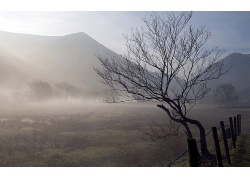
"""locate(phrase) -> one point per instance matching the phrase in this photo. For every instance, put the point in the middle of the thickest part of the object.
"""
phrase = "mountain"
(22, 44)
(14, 72)
(238, 75)
(70, 58)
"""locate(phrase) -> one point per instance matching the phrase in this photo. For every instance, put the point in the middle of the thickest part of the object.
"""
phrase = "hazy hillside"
(53, 59)
(10, 71)
(22, 44)
(15, 73)
(238, 75)
(70, 58)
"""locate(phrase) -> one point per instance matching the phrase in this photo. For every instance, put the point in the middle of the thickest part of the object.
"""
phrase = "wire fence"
(229, 137)
(216, 154)
(207, 159)
(180, 161)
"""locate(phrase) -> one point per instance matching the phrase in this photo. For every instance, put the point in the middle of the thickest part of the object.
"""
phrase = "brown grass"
(94, 134)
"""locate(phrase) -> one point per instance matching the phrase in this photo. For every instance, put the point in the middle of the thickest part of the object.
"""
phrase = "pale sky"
(231, 30)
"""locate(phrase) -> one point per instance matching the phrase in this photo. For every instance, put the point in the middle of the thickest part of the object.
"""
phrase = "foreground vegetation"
(240, 155)
(90, 135)
(77, 137)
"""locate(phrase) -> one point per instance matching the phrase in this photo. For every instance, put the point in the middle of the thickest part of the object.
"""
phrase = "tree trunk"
(188, 132)
(203, 142)
(184, 122)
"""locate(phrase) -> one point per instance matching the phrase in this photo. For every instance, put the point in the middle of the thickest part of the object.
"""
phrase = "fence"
(220, 141)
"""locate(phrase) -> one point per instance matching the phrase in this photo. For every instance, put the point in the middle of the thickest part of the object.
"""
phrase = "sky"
(230, 29)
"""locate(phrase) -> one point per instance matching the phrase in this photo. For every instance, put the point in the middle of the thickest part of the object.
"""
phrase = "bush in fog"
(39, 91)
(66, 91)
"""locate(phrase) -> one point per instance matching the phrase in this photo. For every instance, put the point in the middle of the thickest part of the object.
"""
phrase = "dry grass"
(241, 155)
(94, 134)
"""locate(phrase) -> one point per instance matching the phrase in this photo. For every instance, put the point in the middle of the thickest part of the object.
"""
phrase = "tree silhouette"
(225, 94)
(39, 90)
(167, 62)
(67, 91)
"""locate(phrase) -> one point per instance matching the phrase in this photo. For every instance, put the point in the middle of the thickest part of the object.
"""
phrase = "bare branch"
(166, 62)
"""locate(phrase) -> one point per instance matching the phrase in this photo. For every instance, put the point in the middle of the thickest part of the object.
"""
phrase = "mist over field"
(66, 64)
(54, 111)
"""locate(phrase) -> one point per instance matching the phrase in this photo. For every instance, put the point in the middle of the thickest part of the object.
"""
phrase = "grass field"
(241, 155)
(94, 135)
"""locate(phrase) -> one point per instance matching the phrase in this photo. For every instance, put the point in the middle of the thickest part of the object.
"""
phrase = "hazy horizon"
(229, 28)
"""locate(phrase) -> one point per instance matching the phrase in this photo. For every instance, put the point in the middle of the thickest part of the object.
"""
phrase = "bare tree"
(225, 94)
(167, 62)
(38, 90)
(66, 91)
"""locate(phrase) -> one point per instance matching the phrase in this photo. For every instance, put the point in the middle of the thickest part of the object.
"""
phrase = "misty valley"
(68, 101)
(84, 135)
(93, 134)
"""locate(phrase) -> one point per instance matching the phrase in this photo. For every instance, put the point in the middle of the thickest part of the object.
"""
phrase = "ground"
(102, 135)
(240, 156)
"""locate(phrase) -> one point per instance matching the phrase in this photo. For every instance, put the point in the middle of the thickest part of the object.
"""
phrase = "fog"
(38, 69)
(53, 109)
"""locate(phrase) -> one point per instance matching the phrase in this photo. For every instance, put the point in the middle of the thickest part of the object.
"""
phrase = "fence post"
(192, 153)
(235, 129)
(238, 124)
(217, 147)
(232, 131)
(225, 141)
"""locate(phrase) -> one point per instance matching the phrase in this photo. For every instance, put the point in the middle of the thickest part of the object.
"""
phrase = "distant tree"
(180, 67)
(38, 90)
(225, 94)
(67, 91)
(109, 96)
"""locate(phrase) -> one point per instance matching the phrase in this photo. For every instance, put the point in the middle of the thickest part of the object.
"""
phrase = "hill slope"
(22, 44)
(15, 72)
(238, 75)
(70, 58)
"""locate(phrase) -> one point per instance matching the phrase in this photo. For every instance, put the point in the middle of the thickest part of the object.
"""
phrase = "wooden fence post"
(235, 129)
(217, 147)
(232, 131)
(192, 153)
(225, 141)
(238, 124)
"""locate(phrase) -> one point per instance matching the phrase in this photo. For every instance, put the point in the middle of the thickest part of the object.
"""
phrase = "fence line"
(207, 160)
(219, 146)
(219, 143)
(179, 158)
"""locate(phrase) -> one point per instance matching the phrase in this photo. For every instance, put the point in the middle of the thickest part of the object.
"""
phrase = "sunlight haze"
(108, 27)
